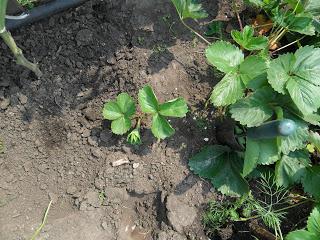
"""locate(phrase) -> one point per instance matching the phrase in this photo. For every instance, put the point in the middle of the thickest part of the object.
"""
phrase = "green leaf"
(222, 167)
(126, 104)
(301, 23)
(134, 137)
(313, 7)
(215, 28)
(278, 73)
(263, 152)
(247, 40)
(161, 129)
(298, 139)
(291, 168)
(254, 110)
(301, 235)
(174, 108)
(312, 118)
(148, 101)
(189, 9)
(313, 223)
(112, 111)
(311, 181)
(252, 67)
(121, 125)
(119, 112)
(232, 86)
(224, 56)
(227, 91)
(299, 75)
(314, 138)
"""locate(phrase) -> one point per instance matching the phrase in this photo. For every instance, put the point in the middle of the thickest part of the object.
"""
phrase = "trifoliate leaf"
(174, 108)
(120, 112)
(311, 181)
(161, 129)
(264, 152)
(291, 168)
(189, 9)
(224, 56)
(298, 139)
(255, 109)
(227, 91)
(222, 167)
(299, 75)
(247, 40)
(148, 101)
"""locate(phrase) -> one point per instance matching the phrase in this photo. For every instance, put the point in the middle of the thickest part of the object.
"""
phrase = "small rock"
(90, 114)
(23, 99)
(106, 136)
(135, 165)
(84, 37)
(71, 190)
(53, 197)
(170, 235)
(4, 104)
(105, 226)
(120, 162)
(92, 199)
(116, 195)
(93, 141)
(180, 215)
(99, 183)
(96, 152)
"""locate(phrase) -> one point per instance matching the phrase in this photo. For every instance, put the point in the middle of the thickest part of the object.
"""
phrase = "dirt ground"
(58, 147)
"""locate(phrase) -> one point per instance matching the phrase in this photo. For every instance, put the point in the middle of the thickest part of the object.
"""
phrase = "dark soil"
(57, 147)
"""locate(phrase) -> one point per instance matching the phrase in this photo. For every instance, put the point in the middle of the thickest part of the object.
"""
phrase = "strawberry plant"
(123, 110)
(275, 99)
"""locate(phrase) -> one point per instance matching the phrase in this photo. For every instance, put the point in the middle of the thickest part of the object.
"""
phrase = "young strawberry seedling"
(123, 110)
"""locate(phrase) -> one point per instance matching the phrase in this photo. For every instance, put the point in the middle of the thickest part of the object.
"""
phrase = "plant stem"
(288, 45)
(8, 39)
(43, 222)
(277, 37)
(195, 32)
(239, 20)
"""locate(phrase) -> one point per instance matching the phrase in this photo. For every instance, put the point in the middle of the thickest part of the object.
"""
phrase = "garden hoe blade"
(14, 7)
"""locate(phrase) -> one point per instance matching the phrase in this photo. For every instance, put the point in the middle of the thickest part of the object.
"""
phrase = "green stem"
(195, 32)
(8, 39)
